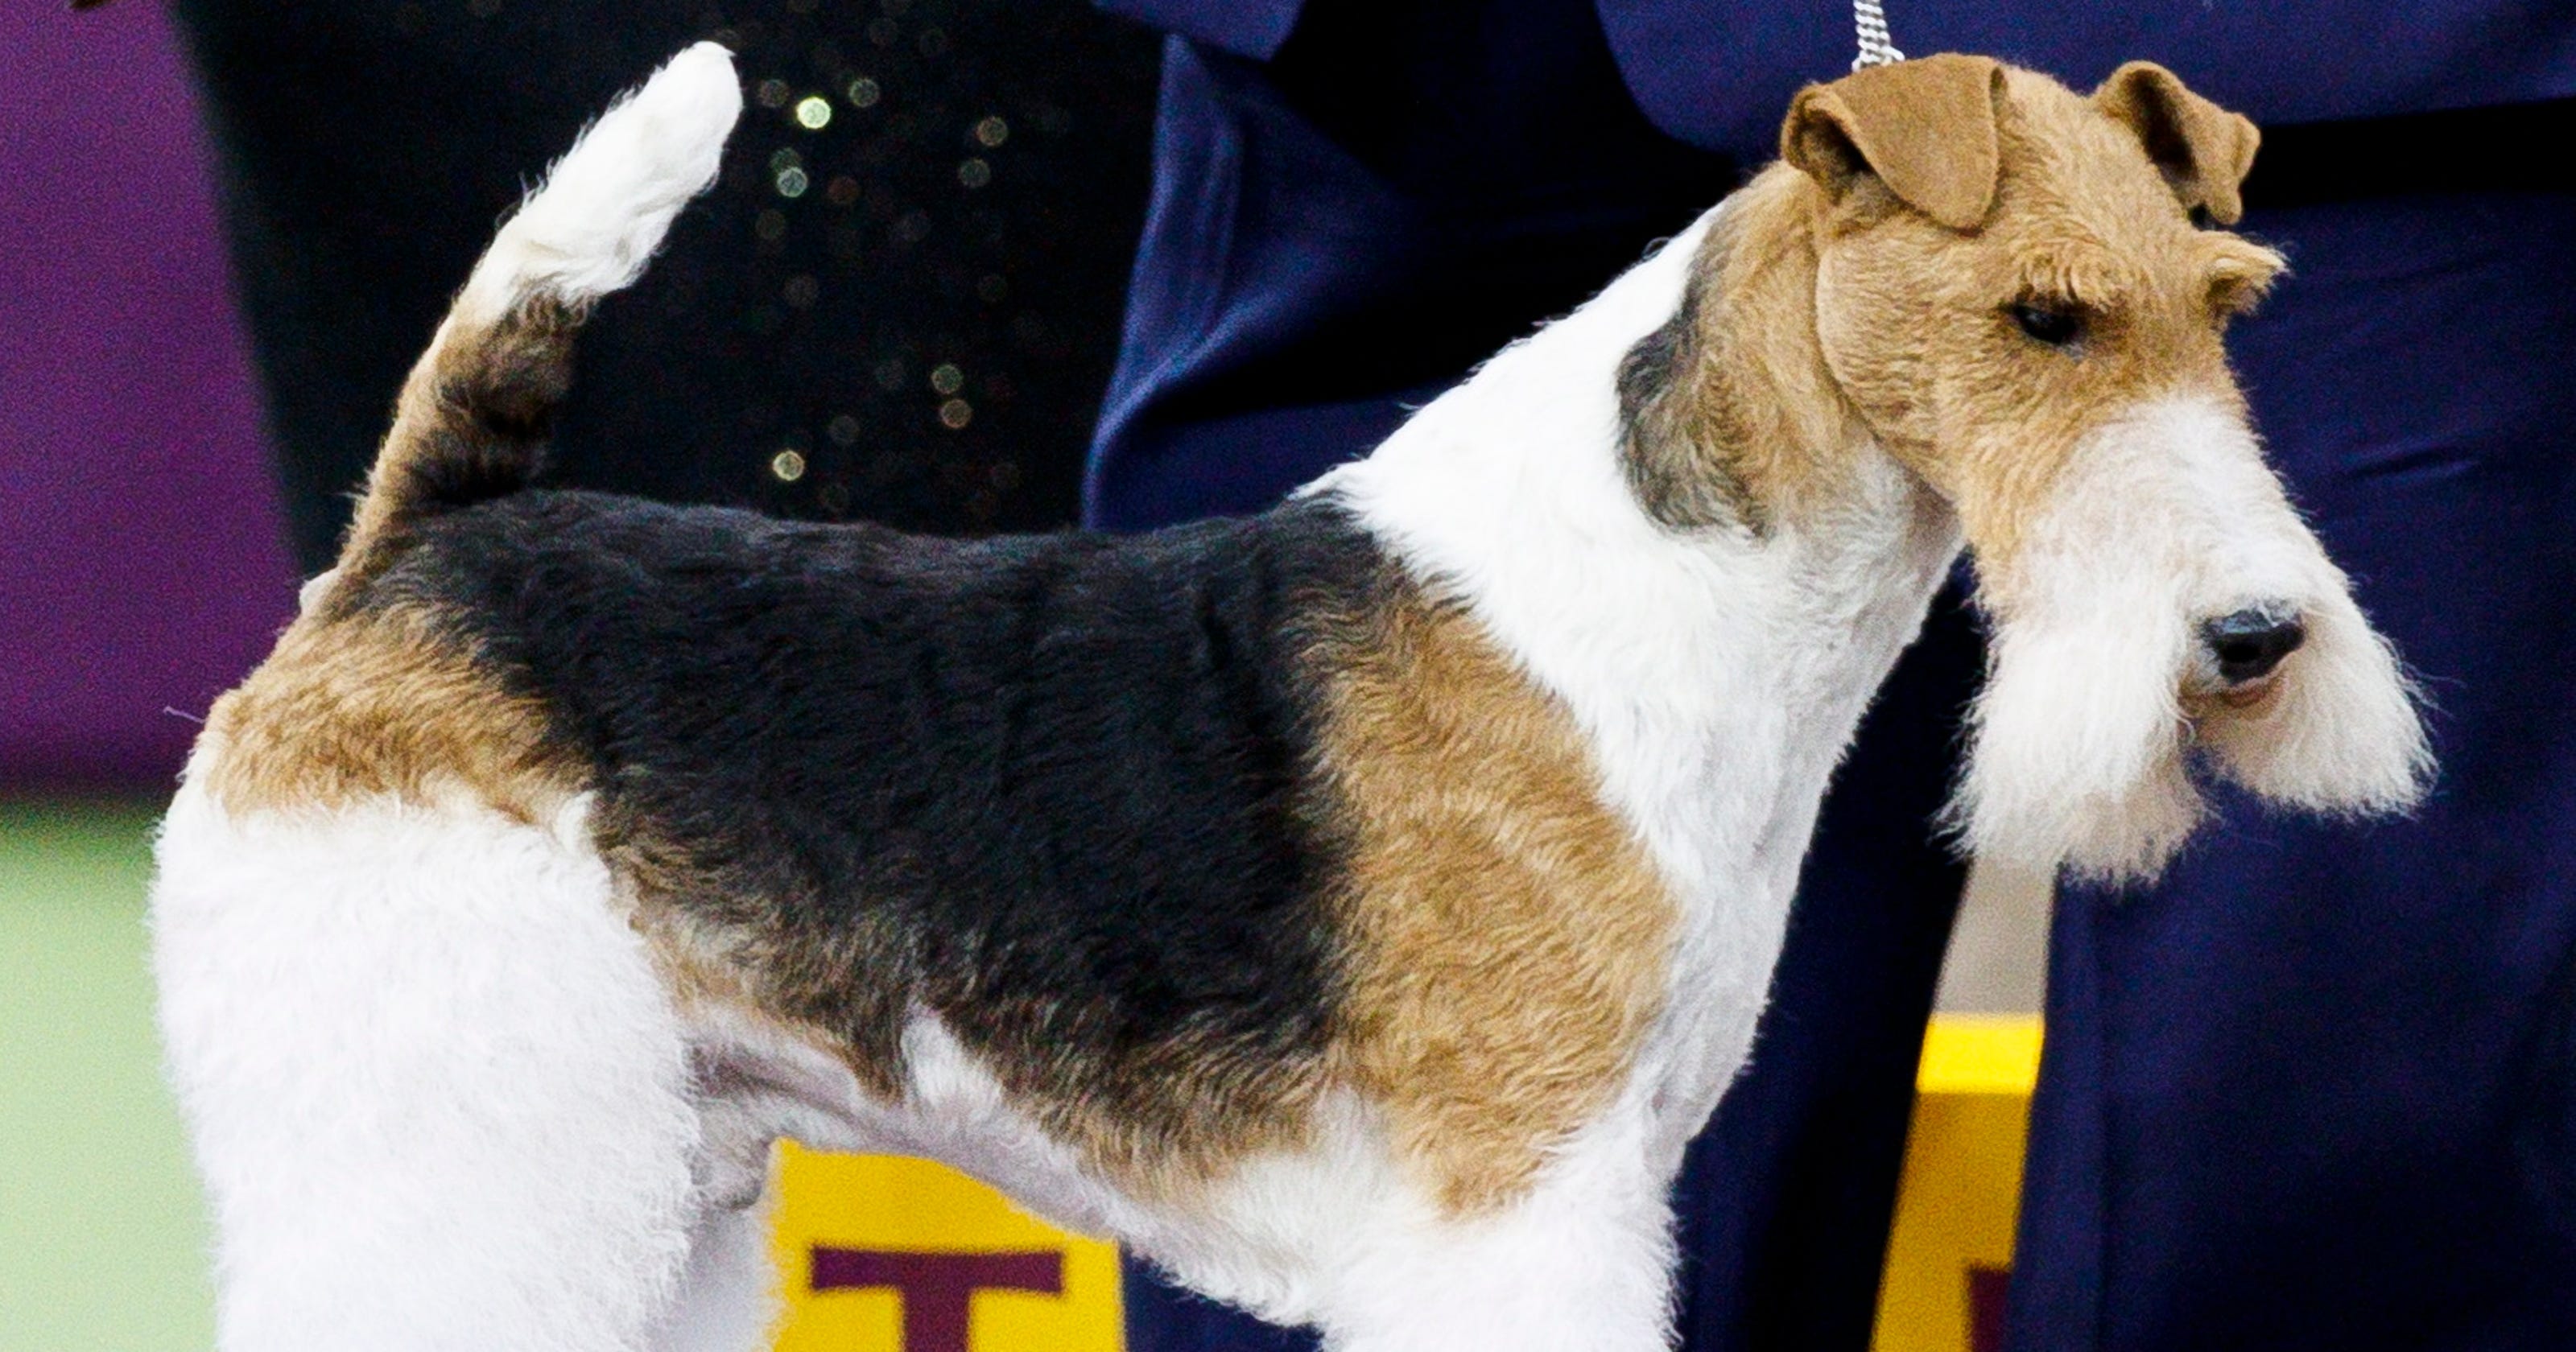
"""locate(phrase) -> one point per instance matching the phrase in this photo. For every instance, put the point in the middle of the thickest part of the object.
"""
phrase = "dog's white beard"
(2083, 751)
(2078, 750)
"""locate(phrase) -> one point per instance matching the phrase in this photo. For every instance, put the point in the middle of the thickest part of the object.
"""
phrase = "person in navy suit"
(2315, 1089)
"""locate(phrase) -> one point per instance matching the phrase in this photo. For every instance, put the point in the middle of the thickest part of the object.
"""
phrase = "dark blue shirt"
(1717, 73)
(1356, 200)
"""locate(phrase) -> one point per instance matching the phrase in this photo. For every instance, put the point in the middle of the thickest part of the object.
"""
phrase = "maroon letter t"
(934, 1287)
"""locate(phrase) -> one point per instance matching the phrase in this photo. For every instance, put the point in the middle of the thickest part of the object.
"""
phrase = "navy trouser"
(2318, 1088)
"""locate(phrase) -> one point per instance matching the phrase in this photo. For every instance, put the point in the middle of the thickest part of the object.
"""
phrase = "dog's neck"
(1729, 414)
(1721, 670)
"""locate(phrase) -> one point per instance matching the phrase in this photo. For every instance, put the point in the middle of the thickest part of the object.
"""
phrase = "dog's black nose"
(2249, 643)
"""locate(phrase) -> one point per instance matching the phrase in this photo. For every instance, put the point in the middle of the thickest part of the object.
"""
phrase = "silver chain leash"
(1869, 20)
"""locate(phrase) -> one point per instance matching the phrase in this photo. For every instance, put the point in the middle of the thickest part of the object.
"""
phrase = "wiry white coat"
(437, 1093)
(1718, 676)
(442, 1100)
(596, 1157)
(607, 204)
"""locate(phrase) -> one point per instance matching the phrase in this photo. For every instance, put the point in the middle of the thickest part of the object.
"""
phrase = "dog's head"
(2019, 295)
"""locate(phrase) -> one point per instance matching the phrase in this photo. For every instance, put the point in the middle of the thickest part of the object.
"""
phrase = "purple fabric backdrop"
(142, 563)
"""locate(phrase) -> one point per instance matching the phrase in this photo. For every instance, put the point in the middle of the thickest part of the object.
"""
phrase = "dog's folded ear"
(1925, 128)
(2203, 149)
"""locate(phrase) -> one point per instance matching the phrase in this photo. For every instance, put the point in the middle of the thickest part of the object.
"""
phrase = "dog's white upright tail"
(473, 415)
(606, 205)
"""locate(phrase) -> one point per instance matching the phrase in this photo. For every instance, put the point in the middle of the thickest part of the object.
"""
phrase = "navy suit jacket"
(1716, 72)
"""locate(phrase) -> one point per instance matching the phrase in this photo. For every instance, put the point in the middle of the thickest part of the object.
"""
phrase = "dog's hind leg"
(437, 1089)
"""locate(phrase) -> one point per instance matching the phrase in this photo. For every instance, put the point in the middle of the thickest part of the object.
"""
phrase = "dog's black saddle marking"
(1050, 786)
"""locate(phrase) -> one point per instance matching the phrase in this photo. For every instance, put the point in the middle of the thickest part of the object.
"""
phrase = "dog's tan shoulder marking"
(1509, 937)
(358, 703)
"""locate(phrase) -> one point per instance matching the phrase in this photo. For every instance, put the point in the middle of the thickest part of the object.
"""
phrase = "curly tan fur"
(381, 702)
(1509, 938)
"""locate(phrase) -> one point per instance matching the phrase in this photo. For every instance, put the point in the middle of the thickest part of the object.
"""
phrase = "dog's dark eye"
(2050, 324)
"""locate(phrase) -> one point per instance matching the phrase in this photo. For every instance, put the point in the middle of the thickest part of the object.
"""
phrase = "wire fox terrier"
(1352, 909)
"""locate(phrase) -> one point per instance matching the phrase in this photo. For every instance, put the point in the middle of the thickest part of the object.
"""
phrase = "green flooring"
(102, 1237)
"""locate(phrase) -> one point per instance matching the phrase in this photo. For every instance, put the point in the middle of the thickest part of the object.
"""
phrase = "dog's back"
(1056, 790)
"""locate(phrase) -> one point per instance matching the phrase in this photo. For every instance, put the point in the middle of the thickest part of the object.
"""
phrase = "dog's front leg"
(1583, 1264)
(728, 1296)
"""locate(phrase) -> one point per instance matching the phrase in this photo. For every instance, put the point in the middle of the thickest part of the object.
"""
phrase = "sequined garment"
(901, 302)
